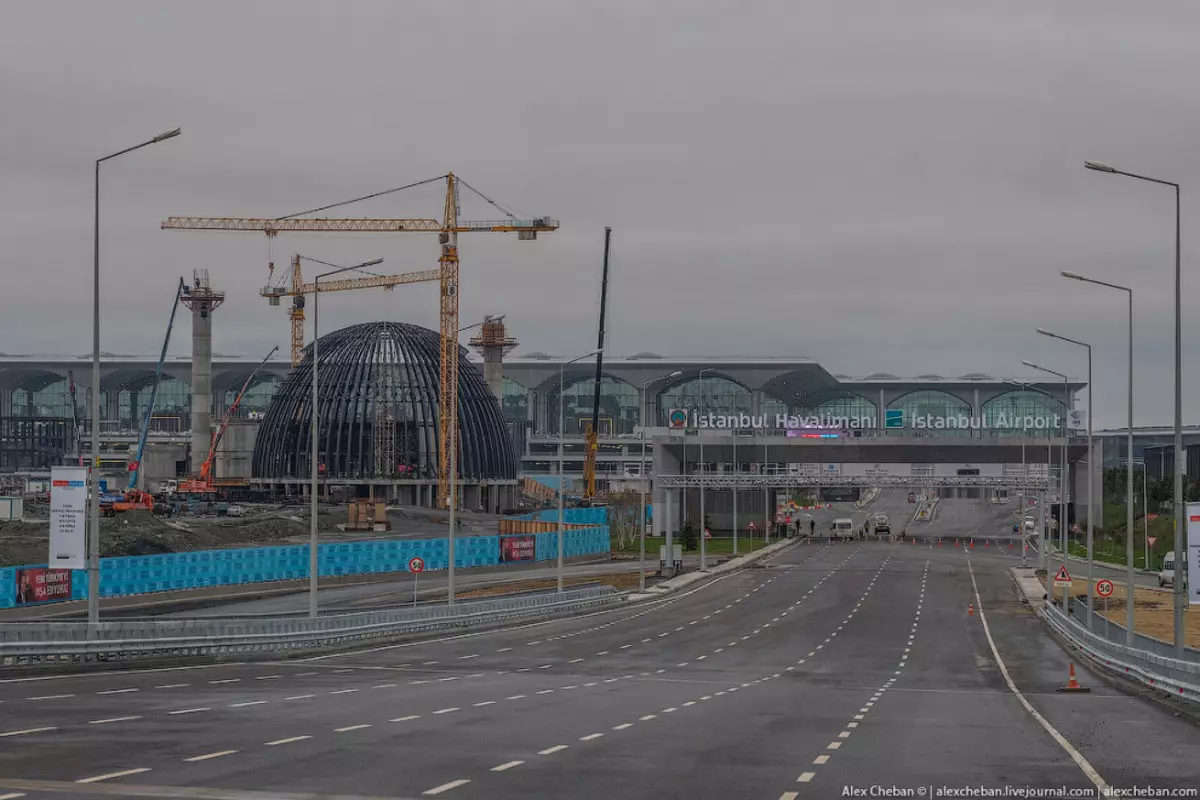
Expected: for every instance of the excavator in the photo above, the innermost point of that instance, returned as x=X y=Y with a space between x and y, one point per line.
x=203 y=483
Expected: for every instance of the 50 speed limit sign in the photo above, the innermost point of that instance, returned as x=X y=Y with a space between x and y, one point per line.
x=416 y=564
x=1104 y=588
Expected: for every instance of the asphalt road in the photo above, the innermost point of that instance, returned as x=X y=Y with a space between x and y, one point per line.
x=837 y=665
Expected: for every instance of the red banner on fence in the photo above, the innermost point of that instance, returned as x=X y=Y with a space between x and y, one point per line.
x=518 y=548
x=42 y=585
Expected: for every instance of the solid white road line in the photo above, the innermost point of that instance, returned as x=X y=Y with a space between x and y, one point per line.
x=506 y=766
x=207 y=756
x=111 y=719
x=111 y=775
x=27 y=730
x=445 y=787
x=288 y=740
x=1101 y=785
x=551 y=750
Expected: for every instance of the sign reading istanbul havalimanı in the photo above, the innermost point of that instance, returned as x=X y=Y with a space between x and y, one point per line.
x=894 y=419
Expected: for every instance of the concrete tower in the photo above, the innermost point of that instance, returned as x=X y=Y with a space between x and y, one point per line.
x=202 y=301
x=495 y=343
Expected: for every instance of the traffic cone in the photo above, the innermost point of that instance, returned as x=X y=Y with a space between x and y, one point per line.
x=971 y=609
x=986 y=542
x=1072 y=684
x=972 y=544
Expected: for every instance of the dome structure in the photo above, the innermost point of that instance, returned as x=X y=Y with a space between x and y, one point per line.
x=378 y=390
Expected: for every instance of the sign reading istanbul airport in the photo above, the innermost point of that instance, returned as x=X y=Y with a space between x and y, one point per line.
x=894 y=419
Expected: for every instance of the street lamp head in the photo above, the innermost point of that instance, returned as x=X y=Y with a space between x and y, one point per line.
x=167 y=135
x=1098 y=167
x=1068 y=274
x=1030 y=364
x=1045 y=332
x=371 y=263
x=675 y=374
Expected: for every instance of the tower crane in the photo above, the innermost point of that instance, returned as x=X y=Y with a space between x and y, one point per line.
x=448 y=228
x=297 y=289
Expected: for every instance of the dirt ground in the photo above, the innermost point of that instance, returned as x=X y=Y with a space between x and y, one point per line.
x=142 y=533
x=1152 y=610
x=619 y=580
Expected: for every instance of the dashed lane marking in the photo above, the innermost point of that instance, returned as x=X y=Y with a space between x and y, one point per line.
x=27 y=731
x=408 y=718
x=248 y=703
x=288 y=740
x=117 y=691
x=590 y=737
x=507 y=765
x=110 y=775
x=111 y=720
x=189 y=711
x=300 y=697
x=349 y=728
x=445 y=787
x=558 y=748
x=622 y=726
x=208 y=756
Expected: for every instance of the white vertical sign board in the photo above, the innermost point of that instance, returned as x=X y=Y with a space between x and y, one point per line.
x=68 y=515
x=1192 y=576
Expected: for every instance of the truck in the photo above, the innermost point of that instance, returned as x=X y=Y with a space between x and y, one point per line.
x=882 y=525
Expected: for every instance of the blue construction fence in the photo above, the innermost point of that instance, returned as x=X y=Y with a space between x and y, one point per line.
x=128 y=575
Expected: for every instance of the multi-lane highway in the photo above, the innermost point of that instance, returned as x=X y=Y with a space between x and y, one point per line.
x=839 y=665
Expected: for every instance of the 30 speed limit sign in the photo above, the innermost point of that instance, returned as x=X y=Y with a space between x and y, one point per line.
x=1104 y=588
x=416 y=564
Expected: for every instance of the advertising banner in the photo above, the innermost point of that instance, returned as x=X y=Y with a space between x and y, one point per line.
x=517 y=548
x=68 y=512
x=1192 y=576
x=42 y=585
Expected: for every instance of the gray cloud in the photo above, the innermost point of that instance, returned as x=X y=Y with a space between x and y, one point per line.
x=877 y=185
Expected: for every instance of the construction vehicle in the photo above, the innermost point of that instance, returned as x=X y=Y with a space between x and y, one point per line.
x=592 y=435
x=448 y=228
x=75 y=424
x=204 y=484
x=296 y=289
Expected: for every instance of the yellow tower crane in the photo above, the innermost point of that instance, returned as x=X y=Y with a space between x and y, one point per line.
x=297 y=289
x=447 y=229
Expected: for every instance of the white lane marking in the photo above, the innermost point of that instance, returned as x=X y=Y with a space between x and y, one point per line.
x=111 y=720
x=593 y=683
x=300 y=697
x=805 y=777
x=443 y=680
x=707 y=697
x=601 y=653
x=504 y=649
x=268 y=677
x=590 y=737
x=568 y=688
x=626 y=646
x=409 y=718
x=28 y=730
x=484 y=703
x=288 y=740
x=111 y=775
x=248 y=703
x=833 y=745
x=117 y=691
x=546 y=691
x=682 y=664
x=689 y=703
x=172 y=686
x=349 y=728
x=227 y=680
x=821 y=760
x=1088 y=770
x=648 y=717
x=545 y=666
x=844 y=735
x=551 y=750
x=464 y=658
x=207 y=756
x=446 y=710
x=669 y=709
x=51 y=697
x=622 y=726
x=858 y=716
x=351 y=669
x=188 y=711
x=385 y=686
x=516 y=697
x=789 y=796
x=851 y=724
x=575 y=660
x=344 y=691
x=11 y=795
x=306 y=674
x=506 y=766
x=445 y=787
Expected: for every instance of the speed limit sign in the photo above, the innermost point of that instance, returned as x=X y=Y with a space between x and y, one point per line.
x=416 y=564
x=1104 y=588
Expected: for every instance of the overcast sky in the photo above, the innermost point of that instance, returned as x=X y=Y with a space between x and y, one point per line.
x=881 y=186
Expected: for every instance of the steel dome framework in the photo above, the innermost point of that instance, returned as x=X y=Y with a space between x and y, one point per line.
x=379 y=396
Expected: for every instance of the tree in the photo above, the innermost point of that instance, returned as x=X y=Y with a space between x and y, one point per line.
x=688 y=537
x=624 y=508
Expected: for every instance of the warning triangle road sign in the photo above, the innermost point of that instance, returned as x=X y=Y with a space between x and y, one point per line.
x=1152 y=540
x=1063 y=578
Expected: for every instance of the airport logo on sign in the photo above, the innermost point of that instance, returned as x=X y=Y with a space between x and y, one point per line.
x=677 y=418
x=893 y=418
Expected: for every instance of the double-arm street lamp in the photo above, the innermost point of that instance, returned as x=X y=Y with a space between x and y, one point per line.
x=94 y=505
x=1063 y=476
x=645 y=479
x=1179 y=504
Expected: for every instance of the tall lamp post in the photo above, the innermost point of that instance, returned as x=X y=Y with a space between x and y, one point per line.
x=645 y=479
x=1180 y=506
x=314 y=458
x=703 y=474
x=94 y=505
x=1063 y=476
x=1129 y=571
x=1028 y=387
x=1091 y=556
x=561 y=477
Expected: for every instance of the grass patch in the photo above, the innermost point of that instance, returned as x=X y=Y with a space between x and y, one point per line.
x=718 y=545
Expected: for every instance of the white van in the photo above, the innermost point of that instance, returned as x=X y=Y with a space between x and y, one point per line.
x=1166 y=576
x=842 y=528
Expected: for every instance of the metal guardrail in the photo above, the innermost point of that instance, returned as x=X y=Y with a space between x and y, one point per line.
x=1115 y=633
x=1179 y=679
x=756 y=481
x=36 y=643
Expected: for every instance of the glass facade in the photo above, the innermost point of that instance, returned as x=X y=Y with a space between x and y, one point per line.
x=515 y=402
x=1021 y=403
x=52 y=400
x=618 y=407
x=850 y=405
x=257 y=398
x=173 y=402
x=709 y=393
x=930 y=402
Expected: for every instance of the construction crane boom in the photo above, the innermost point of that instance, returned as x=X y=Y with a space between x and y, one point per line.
x=593 y=429
x=447 y=229
x=204 y=484
x=135 y=469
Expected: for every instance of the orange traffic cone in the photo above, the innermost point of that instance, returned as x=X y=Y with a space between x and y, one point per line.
x=971 y=609
x=1072 y=684
x=972 y=544
x=956 y=542
x=986 y=542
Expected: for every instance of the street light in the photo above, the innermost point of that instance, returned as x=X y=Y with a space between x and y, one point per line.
x=1091 y=558
x=94 y=543
x=1180 y=506
x=1028 y=387
x=644 y=481
x=1130 y=620
x=703 y=474
x=1062 y=497
x=561 y=477
x=312 y=523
